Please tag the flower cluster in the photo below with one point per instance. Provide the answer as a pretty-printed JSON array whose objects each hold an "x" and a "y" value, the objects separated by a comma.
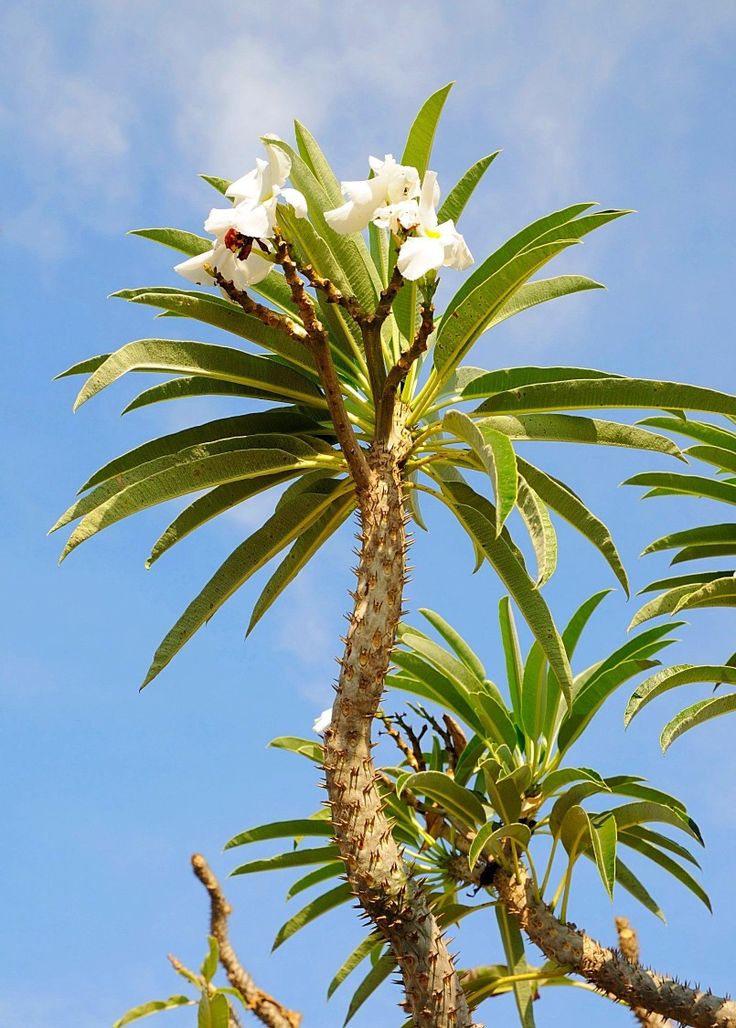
[
  {"x": 242, "y": 232},
  {"x": 393, "y": 198}
]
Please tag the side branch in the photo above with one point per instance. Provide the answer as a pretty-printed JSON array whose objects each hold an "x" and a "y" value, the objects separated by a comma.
[
  {"x": 629, "y": 946},
  {"x": 401, "y": 369},
  {"x": 609, "y": 969},
  {"x": 258, "y": 310},
  {"x": 268, "y": 1010},
  {"x": 319, "y": 347}
]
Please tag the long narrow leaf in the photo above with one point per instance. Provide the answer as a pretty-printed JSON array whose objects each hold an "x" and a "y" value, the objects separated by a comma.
[{"x": 281, "y": 528}]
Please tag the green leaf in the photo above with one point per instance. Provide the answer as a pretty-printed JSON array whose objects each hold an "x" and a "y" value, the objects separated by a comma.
[
  {"x": 665, "y": 603},
  {"x": 210, "y": 962},
  {"x": 85, "y": 367},
  {"x": 278, "y": 531},
  {"x": 278, "y": 419},
  {"x": 497, "y": 456},
  {"x": 568, "y": 505},
  {"x": 574, "y": 796},
  {"x": 478, "y": 517},
  {"x": 534, "y": 698},
  {"x": 312, "y": 155},
  {"x": 186, "y": 387},
  {"x": 604, "y": 834},
  {"x": 671, "y": 678},
  {"x": 512, "y": 654},
  {"x": 308, "y": 543},
  {"x": 514, "y": 246},
  {"x": 659, "y": 840},
  {"x": 707, "y": 535},
  {"x": 321, "y": 874},
  {"x": 666, "y": 482},
  {"x": 706, "y": 433},
  {"x": 468, "y": 320},
  {"x": 571, "y": 428},
  {"x": 458, "y": 802},
  {"x": 720, "y": 593},
  {"x": 564, "y": 776},
  {"x": 292, "y": 858},
  {"x": 422, "y": 679},
  {"x": 670, "y": 866},
  {"x": 214, "y": 1011},
  {"x": 697, "y": 714},
  {"x": 723, "y": 459},
  {"x": 453, "y": 638},
  {"x": 587, "y": 704},
  {"x": 418, "y": 148},
  {"x": 175, "y": 238},
  {"x": 491, "y": 838},
  {"x": 531, "y": 294},
  {"x": 171, "y": 356},
  {"x": 328, "y": 901},
  {"x": 305, "y": 826},
  {"x": 513, "y": 947},
  {"x": 153, "y": 1008},
  {"x": 372, "y": 943},
  {"x": 305, "y": 747},
  {"x": 198, "y": 468},
  {"x": 488, "y": 383},
  {"x": 222, "y": 313},
  {"x": 220, "y": 184},
  {"x": 213, "y": 503},
  {"x": 460, "y": 193},
  {"x": 696, "y": 579},
  {"x": 586, "y": 394},
  {"x": 375, "y": 977},
  {"x": 644, "y": 812},
  {"x": 541, "y": 531},
  {"x": 628, "y": 880}
]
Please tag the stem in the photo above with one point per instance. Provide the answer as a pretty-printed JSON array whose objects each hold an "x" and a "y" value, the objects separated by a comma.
[
  {"x": 387, "y": 891},
  {"x": 268, "y": 1010},
  {"x": 609, "y": 969}
]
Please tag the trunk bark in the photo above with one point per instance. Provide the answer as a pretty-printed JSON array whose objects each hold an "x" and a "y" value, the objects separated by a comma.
[
  {"x": 393, "y": 900},
  {"x": 608, "y": 969}
]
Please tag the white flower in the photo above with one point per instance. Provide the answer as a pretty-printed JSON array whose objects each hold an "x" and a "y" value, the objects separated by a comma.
[
  {"x": 242, "y": 231},
  {"x": 432, "y": 246},
  {"x": 392, "y": 183},
  {"x": 265, "y": 183},
  {"x": 242, "y": 273},
  {"x": 323, "y": 722}
]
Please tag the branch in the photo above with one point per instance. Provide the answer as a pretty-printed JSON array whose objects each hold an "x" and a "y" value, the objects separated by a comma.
[
  {"x": 319, "y": 347},
  {"x": 333, "y": 295},
  {"x": 265, "y": 314},
  {"x": 609, "y": 969},
  {"x": 402, "y": 367},
  {"x": 628, "y": 943},
  {"x": 268, "y": 1010}
]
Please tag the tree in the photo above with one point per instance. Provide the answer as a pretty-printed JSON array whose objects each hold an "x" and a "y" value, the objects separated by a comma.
[{"x": 366, "y": 424}]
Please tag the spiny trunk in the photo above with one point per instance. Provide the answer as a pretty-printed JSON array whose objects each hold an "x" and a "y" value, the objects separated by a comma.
[
  {"x": 609, "y": 969},
  {"x": 391, "y": 898}
]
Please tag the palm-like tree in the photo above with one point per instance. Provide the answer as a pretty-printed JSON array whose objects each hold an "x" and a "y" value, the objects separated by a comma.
[{"x": 365, "y": 422}]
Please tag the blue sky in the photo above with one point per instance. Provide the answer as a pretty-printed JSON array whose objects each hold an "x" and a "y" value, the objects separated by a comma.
[{"x": 108, "y": 110}]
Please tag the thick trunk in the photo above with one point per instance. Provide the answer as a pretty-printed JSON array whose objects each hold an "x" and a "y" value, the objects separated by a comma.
[{"x": 391, "y": 898}]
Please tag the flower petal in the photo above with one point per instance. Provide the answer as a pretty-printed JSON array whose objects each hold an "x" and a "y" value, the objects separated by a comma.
[
  {"x": 457, "y": 254},
  {"x": 418, "y": 255},
  {"x": 247, "y": 187},
  {"x": 323, "y": 722},
  {"x": 193, "y": 269},
  {"x": 296, "y": 199}
]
